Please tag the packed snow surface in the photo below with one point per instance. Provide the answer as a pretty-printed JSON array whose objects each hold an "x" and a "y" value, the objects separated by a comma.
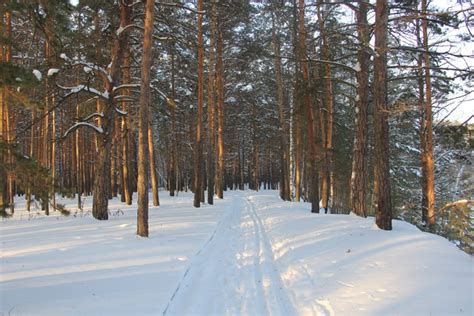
[{"x": 249, "y": 254}]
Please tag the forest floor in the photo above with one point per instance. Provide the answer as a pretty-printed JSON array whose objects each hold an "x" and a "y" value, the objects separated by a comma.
[{"x": 249, "y": 254}]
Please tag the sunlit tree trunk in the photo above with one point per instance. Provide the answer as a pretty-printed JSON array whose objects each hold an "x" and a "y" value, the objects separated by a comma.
[
  {"x": 3, "y": 136},
  {"x": 101, "y": 187},
  {"x": 326, "y": 113},
  {"x": 126, "y": 131},
  {"x": 152, "y": 158},
  {"x": 383, "y": 208},
  {"x": 220, "y": 116},
  {"x": 312, "y": 174},
  {"x": 428, "y": 207},
  {"x": 285, "y": 168},
  {"x": 296, "y": 109},
  {"x": 211, "y": 167},
  {"x": 359, "y": 158},
  {"x": 198, "y": 144},
  {"x": 145, "y": 99},
  {"x": 8, "y": 115}
]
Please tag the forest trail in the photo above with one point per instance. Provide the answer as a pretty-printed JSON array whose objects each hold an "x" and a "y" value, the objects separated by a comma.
[{"x": 235, "y": 272}]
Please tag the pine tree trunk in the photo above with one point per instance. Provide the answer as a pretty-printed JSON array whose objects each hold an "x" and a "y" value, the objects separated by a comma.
[
  {"x": 327, "y": 114},
  {"x": 312, "y": 174},
  {"x": 285, "y": 168},
  {"x": 211, "y": 166},
  {"x": 173, "y": 183},
  {"x": 220, "y": 116},
  {"x": 296, "y": 108},
  {"x": 153, "y": 175},
  {"x": 383, "y": 209},
  {"x": 3, "y": 138},
  {"x": 359, "y": 160},
  {"x": 198, "y": 144},
  {"x": 101, "y": 185},
  {"x": 145, "y": 99},
  {"x": 126, "y": 122},
  {"x": 428, "y": 208}
]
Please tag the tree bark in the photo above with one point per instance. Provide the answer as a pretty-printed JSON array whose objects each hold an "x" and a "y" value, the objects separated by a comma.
[
  {"x": 359, "y": 160},
  {"x": 3, "y": 136},
  {"x": 211, "y": 138},
  {"x": 285, "y": 168},
  {"x": 220, "y": 115},
  {"x": 326, "y": 113},
  {"x": 152, "y": 158},
  {"x": 383, "y": 207},
  {"x": 198, "y": 145},
  {"x": 313, "y": 174},
  {"x": 428, "y": 208},
  {"x": 126, "y": 163},
  {"x": 101, "y": 185},
  {"x": 145, "y": 98}
]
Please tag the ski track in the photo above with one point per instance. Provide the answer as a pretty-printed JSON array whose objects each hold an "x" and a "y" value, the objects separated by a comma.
[{"x": 234, "y": 272}]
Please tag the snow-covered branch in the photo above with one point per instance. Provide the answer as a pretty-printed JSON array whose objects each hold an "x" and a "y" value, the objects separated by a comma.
[
  {"x": 101, "y": 114},
  {"x": 127, "y": 86},
  {"x": 97, "y": 129},
  {"x": 81, "y": 87},
  {"x": 120, "y": 112},
  {"x": 88, "y": 67}
]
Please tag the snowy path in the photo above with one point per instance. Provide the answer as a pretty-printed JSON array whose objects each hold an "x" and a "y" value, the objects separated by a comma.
[{"x": 235, "y": 272}]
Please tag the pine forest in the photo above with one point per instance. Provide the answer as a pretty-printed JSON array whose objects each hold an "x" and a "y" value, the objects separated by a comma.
[{"x": 262, "y": 148}]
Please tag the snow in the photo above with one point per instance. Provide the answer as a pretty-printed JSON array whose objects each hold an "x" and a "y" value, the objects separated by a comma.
[
  {"x": 249, "y": 254},
  {"x": 87, "y": 69},
  {"x": 52, "y": 71},
  {"x": 247, "y": 88},
  {"x": 120, "y": 112},
  {"x": 81, "y": 87},
  {"x": 85, "y": 124},
  {"x": 357, "y": 67},
  {"x": 119, "y": 30},
  {"x": 37, "y": 74}
]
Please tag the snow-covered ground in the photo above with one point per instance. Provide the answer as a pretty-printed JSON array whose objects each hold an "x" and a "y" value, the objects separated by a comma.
[{"x": 249, "y": 254}]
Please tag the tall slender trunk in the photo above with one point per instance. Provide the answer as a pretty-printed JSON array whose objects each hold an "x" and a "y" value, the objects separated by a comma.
[
  {"x": 145, "y": 99},
  {"x": 313, "y": 174},
  {"x": 383, "y": 209},
  {"x": 285, "y": 168},
  {"x": 173, "y": 183},
  {"x": 220, "y": 115},
  {"x": 254, "y": 181},
  {"x": 198, "y": 145},
  {"x": 359, "y": 157},
  {"x": 3, "y": 135},
  {"x": 296, "y": 109},
  {"x": 326, "y": 113},
  {"x": 126, "y": 131},
  {"x": 211, "y": 139},
  {"x": 79, "y": 165},
  {"x": 8, "y": 114},
  {"x": 152, "y": 158},
  {"x": 428, "y": 208},
  {"x": 50, "y": 100}
]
